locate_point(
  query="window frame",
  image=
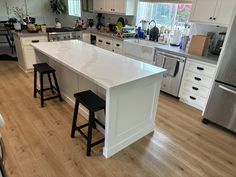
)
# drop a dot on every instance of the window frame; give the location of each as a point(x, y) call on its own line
point(137, 20)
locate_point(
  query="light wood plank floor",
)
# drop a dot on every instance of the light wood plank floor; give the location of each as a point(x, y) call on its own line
point(39, 145)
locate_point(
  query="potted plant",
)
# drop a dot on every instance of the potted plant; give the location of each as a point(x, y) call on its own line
point(58, 6)
point(19, 12)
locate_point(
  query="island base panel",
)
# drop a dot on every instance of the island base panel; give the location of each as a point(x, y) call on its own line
point(131, 112)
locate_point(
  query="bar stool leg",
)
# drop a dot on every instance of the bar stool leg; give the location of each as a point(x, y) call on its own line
point(41, 89)
point(73, 128)
point(90, 129)
point(58, 90)
point(35, 83)
point(50, 82)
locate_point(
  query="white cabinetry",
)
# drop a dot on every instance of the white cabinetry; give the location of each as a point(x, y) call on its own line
point(124, 7)
point(86, 37)
point(117, 46)
point(109, 44)
point(196, 83)
point(99, 5)
point(25, 52)
point(218, 12)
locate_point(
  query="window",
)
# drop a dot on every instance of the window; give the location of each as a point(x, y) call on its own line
point(170, 15)
point(74, 7)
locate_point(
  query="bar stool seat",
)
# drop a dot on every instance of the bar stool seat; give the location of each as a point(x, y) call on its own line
point(93, 103)
point(90, 100)
point(44, 68)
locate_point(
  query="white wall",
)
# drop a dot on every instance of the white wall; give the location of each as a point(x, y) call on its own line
point(40, 9)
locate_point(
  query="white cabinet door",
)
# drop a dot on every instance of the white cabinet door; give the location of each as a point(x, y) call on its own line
point(119, 6)
point(224, 12)
point(109, 5)
point(203, 10)
point(30, 57)
point(86, 37)
point(98, 5)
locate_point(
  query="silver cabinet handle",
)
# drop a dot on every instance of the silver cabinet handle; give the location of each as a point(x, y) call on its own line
point(227, 89)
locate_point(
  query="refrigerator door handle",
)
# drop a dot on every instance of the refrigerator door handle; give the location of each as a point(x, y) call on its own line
point(227, 89)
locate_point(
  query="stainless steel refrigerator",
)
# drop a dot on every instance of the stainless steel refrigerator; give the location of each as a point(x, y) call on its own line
point(221, 106)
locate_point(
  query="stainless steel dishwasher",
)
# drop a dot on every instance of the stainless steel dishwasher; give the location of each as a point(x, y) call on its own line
point(175, 67)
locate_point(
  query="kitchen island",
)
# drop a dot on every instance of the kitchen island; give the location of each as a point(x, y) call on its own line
point(131, 88)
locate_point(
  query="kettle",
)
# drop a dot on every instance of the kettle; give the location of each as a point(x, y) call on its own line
point(58, 24)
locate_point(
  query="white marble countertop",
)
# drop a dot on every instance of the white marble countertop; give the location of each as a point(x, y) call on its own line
point(105, 68)
point(212, 59)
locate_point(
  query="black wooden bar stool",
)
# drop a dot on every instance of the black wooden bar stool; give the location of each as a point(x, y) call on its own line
point(44, 68)
point(93, 103)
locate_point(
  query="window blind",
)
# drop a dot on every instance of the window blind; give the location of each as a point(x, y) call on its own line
point(74, 7)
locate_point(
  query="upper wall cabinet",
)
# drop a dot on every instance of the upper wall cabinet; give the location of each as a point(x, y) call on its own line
point(217, 12)
point(98, 5)
point(124, 7)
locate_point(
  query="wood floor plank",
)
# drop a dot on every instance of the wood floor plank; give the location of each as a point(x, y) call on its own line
point(38, 139)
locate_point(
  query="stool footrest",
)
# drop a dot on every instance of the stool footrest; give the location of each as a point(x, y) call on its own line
point(45, 89)
point(86, 137)
point(100, 123)
point(97, 142)
point(52, 97)
point(82, 133)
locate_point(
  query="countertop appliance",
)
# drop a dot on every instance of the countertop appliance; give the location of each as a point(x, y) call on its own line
point(175, 67)
point(219, 44)
point(65, 33)
point(221, 106)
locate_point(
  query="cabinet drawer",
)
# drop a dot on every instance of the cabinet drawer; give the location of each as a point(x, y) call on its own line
point(27, 41)
point(200, 68)
point(195, 89)
point(198, 79)
point(99, 41)
point(117, 45)
point(108, 44)
point(193, 100)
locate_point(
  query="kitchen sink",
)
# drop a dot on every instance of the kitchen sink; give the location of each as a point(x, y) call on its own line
point(139, 49)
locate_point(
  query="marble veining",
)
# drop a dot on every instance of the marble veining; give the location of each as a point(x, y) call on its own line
point(105, 68)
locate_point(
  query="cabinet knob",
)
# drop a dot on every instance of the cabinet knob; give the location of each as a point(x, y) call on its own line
point(214, 18)
point(210, 18)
